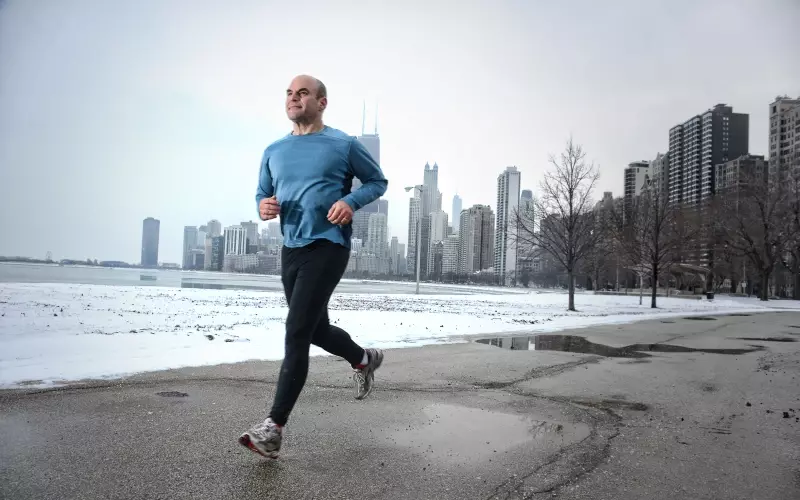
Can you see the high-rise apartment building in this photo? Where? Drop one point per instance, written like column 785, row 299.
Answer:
column 476, row 235
column 235, row 240
column 732, row 174
column 451, row 246
column 377, row 235
column 784, row 136
column 505, row 252
column 637, row 178
column 659, row 175
column 698, row 145
column 150, row 232
column 455, row 215
column 189, row 244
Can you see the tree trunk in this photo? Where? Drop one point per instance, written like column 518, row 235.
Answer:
column 796, row 287
column 764, row 286
column 571, row 278
column 655, row 287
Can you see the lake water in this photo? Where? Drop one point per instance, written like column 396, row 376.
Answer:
column 12, row 272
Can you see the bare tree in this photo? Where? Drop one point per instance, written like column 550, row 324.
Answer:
column 565, row 224
column 651, row 234
column 599, row 262
column 791, row 258
column 754, row 221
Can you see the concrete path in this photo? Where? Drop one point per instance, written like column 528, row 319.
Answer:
column 714, row 417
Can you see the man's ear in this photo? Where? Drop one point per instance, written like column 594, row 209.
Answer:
column 323, row 103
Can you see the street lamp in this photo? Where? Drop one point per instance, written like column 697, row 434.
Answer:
column 419, row 227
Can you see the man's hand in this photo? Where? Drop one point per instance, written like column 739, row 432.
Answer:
column 269, row 208
column 340, row 213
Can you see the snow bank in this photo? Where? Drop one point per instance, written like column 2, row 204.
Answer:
column 53, row 333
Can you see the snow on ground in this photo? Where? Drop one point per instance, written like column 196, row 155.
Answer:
column 53, row 333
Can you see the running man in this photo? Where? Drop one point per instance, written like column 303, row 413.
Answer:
column 306, row 179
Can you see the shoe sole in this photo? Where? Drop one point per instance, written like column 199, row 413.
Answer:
column 245, row 441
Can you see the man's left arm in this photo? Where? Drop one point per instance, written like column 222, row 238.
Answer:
column 367, row 170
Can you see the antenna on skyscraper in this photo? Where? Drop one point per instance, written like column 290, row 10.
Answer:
column 363, row 115
column 376, row 117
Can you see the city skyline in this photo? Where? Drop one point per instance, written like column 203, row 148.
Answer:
column 183, row 145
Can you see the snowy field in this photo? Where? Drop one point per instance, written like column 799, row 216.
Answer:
column 54, row 333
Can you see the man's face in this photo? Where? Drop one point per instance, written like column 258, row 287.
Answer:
column 302, row 103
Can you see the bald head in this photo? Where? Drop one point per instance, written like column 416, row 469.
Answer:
column 306, row 99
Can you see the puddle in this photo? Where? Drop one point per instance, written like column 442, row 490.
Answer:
column 460, row 434
column 700, row 318
column 172, row 394
column 768, row 339
column 573, row 343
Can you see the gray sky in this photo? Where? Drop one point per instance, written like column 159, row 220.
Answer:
column 114, row 111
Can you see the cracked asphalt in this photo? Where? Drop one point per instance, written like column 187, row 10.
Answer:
column 449, row 421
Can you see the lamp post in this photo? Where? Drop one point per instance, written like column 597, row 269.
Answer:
column 419, row 228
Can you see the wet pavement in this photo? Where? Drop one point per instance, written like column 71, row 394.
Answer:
column 651, row 410
column 573, row 343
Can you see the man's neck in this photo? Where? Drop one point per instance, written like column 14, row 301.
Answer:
column 305, row 128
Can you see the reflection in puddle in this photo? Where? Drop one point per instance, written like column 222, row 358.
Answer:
column 573, row 343
column 460, row 434
column 768, row 339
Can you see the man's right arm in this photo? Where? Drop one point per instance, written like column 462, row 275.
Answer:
column 265, row 189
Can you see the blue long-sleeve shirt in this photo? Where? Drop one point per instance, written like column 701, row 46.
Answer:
column 308, row 174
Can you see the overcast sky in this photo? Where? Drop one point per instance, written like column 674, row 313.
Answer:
column 114, row 111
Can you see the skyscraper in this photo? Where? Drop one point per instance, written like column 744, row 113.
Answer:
column 455, row 215
column 214, row 228
column 377, row 238
column 372, row 143
column 526, row 200
column 274, row 229
column 394, row 248
column 699, row 144
column 361, row 217
column 430, row 194
column 659, row 175
column 528, row 212
column 150, row 232
column 505, row 252
column 251, row 233
column 438, row 232
column 784, row 135
column 451, row 248
column 637, row 177
column 189, row 244
column 476, row 235
column 414, row 216
column 402, row 268
column 235, row 240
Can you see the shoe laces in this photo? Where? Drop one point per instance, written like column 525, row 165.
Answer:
column 359, row 377
column 268, row 426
